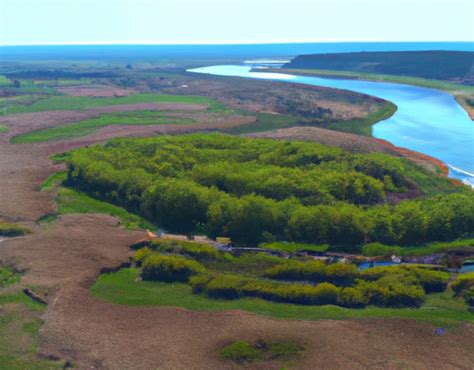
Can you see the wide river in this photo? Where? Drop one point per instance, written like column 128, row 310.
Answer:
column 428, row 121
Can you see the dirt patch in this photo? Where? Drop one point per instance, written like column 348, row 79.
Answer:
column 355, row 144
column 351, row 142
column 26, row 122
column 94, row 90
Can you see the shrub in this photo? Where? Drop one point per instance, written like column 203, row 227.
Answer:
column 389, row 292
column 141, row 255
column 169, row 268
column 8, row 229
column 341, row 273
column 241, row 351
column 225, row 287
column 352, row 298
column 199, row 251
column 7, row 277
column 199, row 282
column 469, row 296
column 430, row 280
column 283, row 349
column 463, row 282
column 317, row 271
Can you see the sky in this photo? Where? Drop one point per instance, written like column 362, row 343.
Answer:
column 30, row 22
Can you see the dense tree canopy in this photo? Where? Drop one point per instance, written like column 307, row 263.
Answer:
column 257, row 190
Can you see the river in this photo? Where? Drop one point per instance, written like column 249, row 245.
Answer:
column 428, row 121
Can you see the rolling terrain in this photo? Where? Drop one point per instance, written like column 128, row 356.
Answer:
column 76, row 237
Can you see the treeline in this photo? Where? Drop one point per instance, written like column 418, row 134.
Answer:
column 255, row 190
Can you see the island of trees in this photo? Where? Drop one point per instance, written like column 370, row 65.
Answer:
column 259, row 190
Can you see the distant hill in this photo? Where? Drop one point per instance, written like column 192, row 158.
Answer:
column 440, row 65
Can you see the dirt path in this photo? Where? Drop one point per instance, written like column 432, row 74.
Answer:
column 67, row 257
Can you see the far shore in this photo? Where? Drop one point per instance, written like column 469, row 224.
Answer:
column 462, row 93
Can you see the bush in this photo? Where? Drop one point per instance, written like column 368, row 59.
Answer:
column 7, row 277
column 388, row 292
column 430, row 280
column 225, row 287
column 463, row 282
column 469, row 296
column 169, row 268
column 233, row 287
column 352, row 298
column 240, row 352
column 317, row 271
column 199, row 251
column 8, row 229
column 141, row 255
column 199, row 282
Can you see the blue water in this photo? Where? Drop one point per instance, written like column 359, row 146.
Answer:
column 130, row 53
column 467, row 268
column 428, row 121
column 366, row 265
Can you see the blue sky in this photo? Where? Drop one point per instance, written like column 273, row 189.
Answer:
column 233, row 21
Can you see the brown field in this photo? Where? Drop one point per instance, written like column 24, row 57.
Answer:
column 275, row 97
column 94, row 90
column 67, row 256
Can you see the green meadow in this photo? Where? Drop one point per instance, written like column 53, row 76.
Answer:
column 122, row 287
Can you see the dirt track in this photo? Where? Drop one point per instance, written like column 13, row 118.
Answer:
column 68, row 255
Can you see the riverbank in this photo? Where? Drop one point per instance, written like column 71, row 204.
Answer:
column 463, row 94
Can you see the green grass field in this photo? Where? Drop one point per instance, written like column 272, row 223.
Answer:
column 363, row 126
column 295, row 247
column 19, row 339
column 64, row 102
column 53, row 180
column 87, row 127
column 122, row 288
column 71, row 201
column 265, row 122
column 3, row 128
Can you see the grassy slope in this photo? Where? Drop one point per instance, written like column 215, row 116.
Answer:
column 122, row 288
column 72, row 201
column 3, row 128
column 87, row 127
column 19, row 326
column 64, row 102
column 363, row 126
column 19, row 339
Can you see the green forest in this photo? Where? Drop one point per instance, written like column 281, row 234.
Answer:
column 258, row 190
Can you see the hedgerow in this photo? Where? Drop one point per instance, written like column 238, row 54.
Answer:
column 169, row 268
column 463, row 282
column 317, row 271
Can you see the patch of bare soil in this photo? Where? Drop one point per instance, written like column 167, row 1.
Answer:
column 351, row 142
column 26, row 122
column 312, row 103
column 94, row 90
column 355, row 144
column 67, row 256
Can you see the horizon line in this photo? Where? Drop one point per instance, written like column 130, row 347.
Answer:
column 217, row 43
